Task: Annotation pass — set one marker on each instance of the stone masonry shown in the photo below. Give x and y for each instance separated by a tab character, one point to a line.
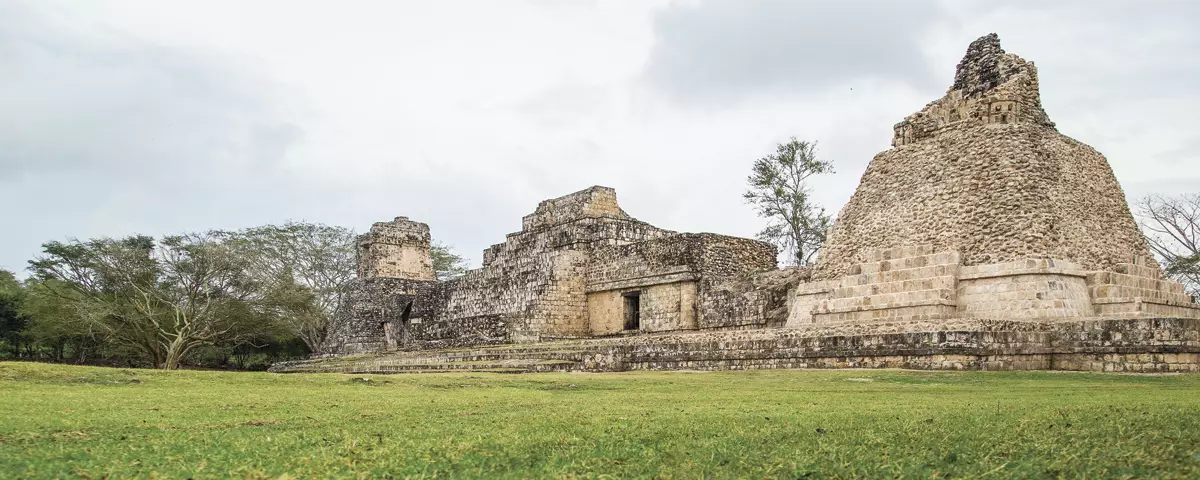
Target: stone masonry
983	239
579	267
984	210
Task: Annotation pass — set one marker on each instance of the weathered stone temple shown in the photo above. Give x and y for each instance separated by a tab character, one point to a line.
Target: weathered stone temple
983	239
580	267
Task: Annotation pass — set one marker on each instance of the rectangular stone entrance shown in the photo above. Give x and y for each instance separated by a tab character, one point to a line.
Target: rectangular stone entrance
633	310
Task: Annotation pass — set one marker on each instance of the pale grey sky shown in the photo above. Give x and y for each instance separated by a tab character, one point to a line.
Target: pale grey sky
121	117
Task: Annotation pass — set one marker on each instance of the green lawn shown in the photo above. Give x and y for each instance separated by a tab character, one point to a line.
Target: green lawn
62	421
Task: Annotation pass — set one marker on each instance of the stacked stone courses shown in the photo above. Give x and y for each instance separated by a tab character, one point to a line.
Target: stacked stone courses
984	239
564	275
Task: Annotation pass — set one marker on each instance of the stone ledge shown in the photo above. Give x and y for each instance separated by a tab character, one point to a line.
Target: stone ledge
673	275
976	273
887	306
1126	344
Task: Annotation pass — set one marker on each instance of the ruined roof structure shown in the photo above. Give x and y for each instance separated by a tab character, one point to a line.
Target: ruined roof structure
983	171
984	239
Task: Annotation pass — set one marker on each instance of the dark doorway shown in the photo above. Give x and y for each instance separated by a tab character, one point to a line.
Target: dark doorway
633	310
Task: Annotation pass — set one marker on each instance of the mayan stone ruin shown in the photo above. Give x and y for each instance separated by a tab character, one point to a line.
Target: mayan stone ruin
983	239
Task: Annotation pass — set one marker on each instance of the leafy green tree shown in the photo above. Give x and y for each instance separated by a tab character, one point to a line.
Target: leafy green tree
446	265
56	324
305	268
161	298
778	188
13	322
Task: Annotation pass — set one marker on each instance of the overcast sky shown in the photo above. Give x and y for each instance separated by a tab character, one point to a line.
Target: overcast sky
155	117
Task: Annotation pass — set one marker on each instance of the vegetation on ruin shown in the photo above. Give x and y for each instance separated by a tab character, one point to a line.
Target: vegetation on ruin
446	264
778	188
87	422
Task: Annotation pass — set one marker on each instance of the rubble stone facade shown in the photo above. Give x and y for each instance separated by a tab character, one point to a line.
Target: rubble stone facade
579	267
983	239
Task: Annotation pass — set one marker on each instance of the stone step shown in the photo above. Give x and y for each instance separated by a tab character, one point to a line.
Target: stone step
895	313
915	273
1138	270
1126	280
933	259
1101	292
434	364
1132	307
937	296
946	282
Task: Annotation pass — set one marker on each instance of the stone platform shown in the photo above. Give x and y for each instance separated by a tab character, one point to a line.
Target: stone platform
1095	344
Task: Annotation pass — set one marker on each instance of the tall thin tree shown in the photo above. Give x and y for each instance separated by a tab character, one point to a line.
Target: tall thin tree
778	188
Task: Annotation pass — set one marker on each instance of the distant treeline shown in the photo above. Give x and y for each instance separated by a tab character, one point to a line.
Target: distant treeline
220	299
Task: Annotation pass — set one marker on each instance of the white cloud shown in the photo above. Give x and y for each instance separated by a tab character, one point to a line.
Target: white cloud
154	117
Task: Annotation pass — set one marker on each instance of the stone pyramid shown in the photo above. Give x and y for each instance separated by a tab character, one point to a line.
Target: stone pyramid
983	210
983	171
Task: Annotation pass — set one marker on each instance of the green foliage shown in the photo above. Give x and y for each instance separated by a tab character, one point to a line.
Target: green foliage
118	423
57	325
446	264
13	321
305	266
162	299
778	188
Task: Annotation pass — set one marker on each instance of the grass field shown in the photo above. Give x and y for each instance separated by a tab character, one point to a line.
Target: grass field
63	421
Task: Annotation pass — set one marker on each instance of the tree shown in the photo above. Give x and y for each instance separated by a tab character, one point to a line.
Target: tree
1172	227
13	322
305	266
778	188
446	265
161	298
56	324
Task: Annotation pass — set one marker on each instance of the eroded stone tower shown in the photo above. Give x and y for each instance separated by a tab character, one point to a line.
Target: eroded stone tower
395	249
984	210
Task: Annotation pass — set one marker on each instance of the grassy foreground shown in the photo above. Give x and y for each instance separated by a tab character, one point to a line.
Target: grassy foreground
63	421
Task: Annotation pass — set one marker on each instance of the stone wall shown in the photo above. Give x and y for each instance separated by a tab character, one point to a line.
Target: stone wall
709	274
920	287
358	325
1109	345
663	307
1024	289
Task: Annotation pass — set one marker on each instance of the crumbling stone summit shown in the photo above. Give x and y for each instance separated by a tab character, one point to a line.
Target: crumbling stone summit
984	210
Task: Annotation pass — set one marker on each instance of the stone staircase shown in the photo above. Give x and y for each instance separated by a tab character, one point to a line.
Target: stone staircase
898	284
1138	289
1116	344
504	359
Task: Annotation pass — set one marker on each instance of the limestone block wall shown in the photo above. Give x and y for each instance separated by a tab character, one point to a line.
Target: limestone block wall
369	305
534	284
664	307
714	272
920	287
731	303
1138	288
1024	289
535	281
